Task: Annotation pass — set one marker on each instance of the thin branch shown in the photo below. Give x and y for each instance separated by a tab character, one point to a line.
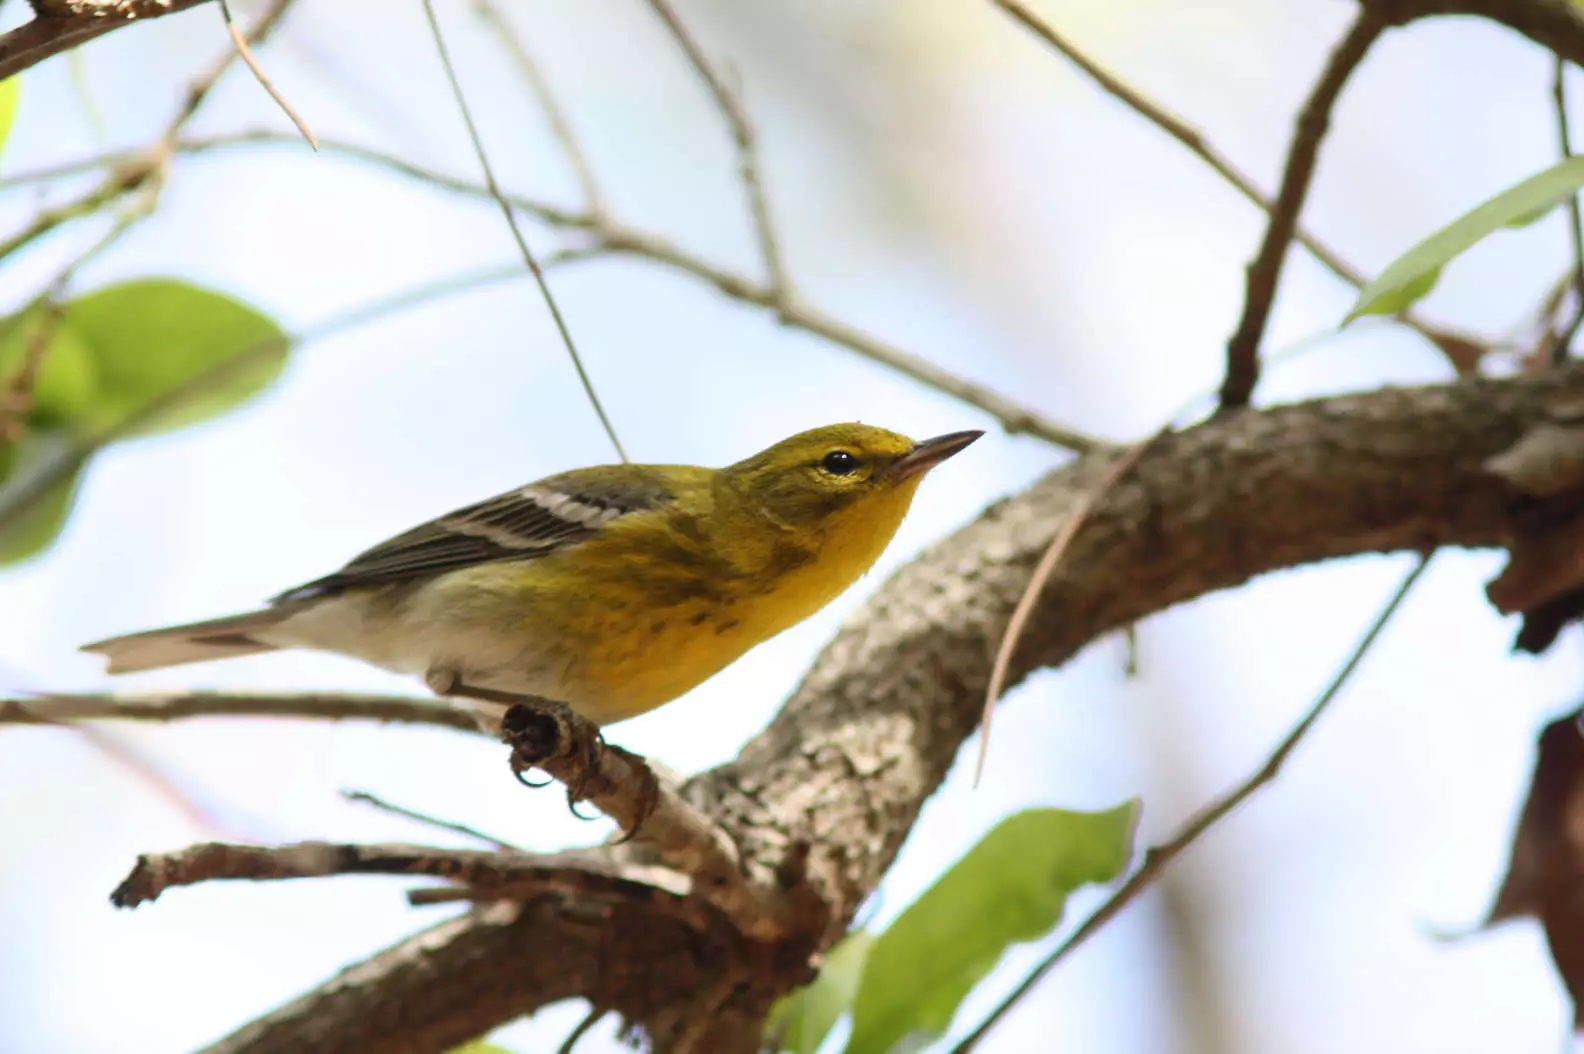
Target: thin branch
742	132
246	53
17	400
17	496
1042	574
1242	369
484	873
70	708
517	234
555	114
1158	858
589	1020
612	237
462	829
1564	339
1174	126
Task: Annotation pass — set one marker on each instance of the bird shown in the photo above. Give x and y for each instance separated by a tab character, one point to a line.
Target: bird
611	590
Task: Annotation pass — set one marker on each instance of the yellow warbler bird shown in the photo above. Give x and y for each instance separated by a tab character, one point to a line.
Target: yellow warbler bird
612	589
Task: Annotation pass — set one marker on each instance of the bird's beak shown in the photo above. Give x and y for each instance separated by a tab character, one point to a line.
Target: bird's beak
931	452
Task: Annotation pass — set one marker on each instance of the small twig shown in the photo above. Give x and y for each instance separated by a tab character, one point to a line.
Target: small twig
1174	126
517	234
549	105
433	821
589	1021
1158	858
483	872
742	131
1042	573
18	398
1242	356
17	496
68	709
614	238
246	54
1564	339
205	82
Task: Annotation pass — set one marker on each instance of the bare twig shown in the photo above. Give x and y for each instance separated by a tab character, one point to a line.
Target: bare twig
1174	126
1563	340
35	41
612	237
17	400
17	496
1242	369
1036	584
589	1021
560	125
462	829
67	709
246	54
1158	858
484	873
742	131
517	234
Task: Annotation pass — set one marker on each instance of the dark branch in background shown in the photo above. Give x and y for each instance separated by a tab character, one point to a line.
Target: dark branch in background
1242	368
61	25
742	133
1158	858
517	234
549	105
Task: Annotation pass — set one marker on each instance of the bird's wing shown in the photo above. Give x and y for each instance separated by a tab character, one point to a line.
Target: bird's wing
521	524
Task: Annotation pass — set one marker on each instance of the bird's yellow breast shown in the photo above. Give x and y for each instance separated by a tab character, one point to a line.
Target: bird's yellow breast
649	611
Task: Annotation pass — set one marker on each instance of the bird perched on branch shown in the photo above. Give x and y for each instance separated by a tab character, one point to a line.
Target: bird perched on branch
612	590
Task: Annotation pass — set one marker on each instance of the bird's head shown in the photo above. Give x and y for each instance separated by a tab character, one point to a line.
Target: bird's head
840	474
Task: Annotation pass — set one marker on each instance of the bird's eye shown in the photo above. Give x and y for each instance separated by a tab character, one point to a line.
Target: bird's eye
839	463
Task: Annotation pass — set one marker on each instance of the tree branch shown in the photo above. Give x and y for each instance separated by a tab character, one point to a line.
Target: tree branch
174	706
72	23
839	776
1242	368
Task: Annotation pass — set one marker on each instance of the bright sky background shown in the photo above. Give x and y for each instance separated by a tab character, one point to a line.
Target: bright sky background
947	183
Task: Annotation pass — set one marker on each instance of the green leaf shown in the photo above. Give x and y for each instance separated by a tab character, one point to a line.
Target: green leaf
478	1046
1011	887
800	1022
33	530
10	95
1413	274
149	336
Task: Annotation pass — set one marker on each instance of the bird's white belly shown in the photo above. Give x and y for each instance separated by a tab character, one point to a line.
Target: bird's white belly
423	637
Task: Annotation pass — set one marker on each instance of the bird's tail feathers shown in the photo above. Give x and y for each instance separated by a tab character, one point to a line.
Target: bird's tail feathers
221	638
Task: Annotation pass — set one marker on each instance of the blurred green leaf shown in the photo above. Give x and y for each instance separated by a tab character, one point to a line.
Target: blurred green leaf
1413	274
801	1021
1011	887
478	1046
34	529
10	95
149	336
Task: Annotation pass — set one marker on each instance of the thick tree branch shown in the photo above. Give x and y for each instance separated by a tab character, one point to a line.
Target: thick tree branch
838	778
